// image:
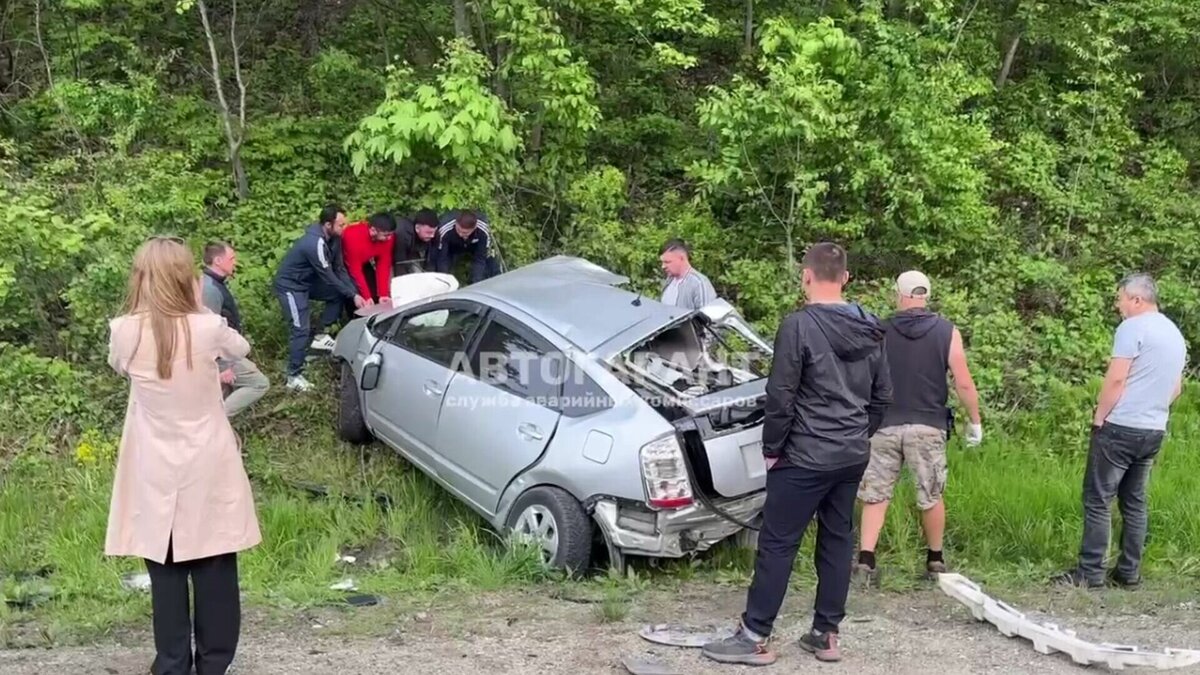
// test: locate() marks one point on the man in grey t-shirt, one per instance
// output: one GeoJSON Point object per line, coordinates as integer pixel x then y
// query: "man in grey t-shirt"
{"type": "Point", "coordinates": [1144, 378]}
{"type": "Point", "coordinates": [685, 287]}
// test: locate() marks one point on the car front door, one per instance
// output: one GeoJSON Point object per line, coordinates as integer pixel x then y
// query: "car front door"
{"type": "Point", "coordinates": [419, 353]}
{"type": "Point", "coordinates": [499, 418]}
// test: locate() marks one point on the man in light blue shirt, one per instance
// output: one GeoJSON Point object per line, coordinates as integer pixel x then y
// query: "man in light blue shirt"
{"type": "Point", "coordinates": [1145, 376]}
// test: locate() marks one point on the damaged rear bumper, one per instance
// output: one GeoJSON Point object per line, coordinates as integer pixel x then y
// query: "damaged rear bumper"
{"type": "Point", "coordinates": [634, 529]}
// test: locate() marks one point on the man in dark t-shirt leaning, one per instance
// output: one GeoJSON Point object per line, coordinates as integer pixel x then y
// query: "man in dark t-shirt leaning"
{"type": "Point", "coordinates": [415, 243]}
{"type": "Point", "coordinates": [921, 347]}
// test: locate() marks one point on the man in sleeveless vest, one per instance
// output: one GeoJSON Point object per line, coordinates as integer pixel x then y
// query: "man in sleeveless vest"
{"type": "Point", "coordinates": [921, 347]}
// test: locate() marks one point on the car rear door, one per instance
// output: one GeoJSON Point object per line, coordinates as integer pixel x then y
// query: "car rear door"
{"type": "Point", "coordinates": [418, 354]}
{"type": "Point", "coordinates": [499, 418]}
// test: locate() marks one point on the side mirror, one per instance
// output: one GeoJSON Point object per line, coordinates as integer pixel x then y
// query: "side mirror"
{"type": "Point", "coordinates": [368, 378]}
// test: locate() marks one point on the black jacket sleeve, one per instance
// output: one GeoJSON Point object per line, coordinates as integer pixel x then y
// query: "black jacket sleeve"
{"type": "Point", "coordinates": [787, 366]}
{"type": "Point", "coordinates": [479, 257]}
{"type": "Point", "coordinates": [439, 254]}
{"type": "Point", "coordinates": [881, 392]}
{"type": "Point", "coordinates": [322, 260]}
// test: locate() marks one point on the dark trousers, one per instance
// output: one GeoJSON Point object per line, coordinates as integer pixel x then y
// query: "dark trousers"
{"type": "Point", "coordinates": [1118, 465]}
{"type": "Point", "coordinates": [218, 614]}
{"type": "Point", "coordinates": [297, 312]}
{"type": "Point", "coordinates": [794, 496]}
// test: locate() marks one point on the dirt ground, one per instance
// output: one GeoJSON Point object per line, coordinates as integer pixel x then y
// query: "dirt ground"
{"type": "Point", "coordinates": [892, 634]}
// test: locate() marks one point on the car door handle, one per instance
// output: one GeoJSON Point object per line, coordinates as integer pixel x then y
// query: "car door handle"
{"type": "Point", "coordinates": [431, 389]}
{"type": "Point", "coordinates": [530, 432]}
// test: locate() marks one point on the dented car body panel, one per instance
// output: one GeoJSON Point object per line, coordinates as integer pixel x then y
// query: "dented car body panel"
{"type": "Point", "coordinates": [440, 402]}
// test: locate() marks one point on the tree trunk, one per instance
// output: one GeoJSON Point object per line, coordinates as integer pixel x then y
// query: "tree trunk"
{"type": "Point", "coordinates": [501, 84]}
{"type": "Point", "coordinates": [462, 27]}
{"type": "Point", "coordinates": [1009, 57]}
{"type": "Point", "coordinates": [310, 27]}
{"type": "Point", "coordinates": [749, 27]}
{"type": "Point", "coordinates": [235, 129]}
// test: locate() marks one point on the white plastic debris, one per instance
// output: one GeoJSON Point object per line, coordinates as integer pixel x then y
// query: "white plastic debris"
{"type": "Point", "coordinates": [344, 585]}
{"type": "Point", "coordinates": [1048, 638]}
{"type": "Point", "coordinates": [136, 582]}
{"type": "Point", "coordinates": [348, 559]}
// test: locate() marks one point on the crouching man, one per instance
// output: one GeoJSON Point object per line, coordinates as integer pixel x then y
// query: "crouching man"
{"type": "Point", "coordinates": [246, 381]}
{"type": "Point", "coordinates": [827, 393]}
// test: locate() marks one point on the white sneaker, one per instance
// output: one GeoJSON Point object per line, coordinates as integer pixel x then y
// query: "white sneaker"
{"type": "Point", "coordinates": [298, 383]}
{"type": "Point", "coordinates": [323, 342]}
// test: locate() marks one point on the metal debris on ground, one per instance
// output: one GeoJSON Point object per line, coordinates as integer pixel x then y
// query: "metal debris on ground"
{"type": "Point", "coordinates": [647, 665]}
{"type": "Point", "coordinates": [675, 635]}
{"type": "Point", "coordinates": [1048, 638]}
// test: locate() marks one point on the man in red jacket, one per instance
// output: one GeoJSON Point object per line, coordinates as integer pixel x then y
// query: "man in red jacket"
{"type": "Point", "coordinates": [371, 241]}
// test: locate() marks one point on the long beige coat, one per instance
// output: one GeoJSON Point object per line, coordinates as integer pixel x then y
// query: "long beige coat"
{"type": "Point", "coordinates": [179, 474]}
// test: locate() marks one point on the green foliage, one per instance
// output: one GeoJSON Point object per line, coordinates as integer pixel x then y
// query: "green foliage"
{"type": "Point", "coordinates": [458, 133]}
{"type": "Point", "coordinates": [602, 129]}
{"type": "Point", "coordinates": [552, 86]}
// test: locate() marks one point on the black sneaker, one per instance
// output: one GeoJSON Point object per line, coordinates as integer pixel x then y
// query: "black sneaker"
{"type": "Point", "coordinates": [1117, 581]}
{"type": "Point", "coordinates": [1075, 579]}
{"type": "Point", "coordinates": [741, 648]}
{"type": "Point", "coordinates": [824, 646]}
{"type": "Point", "coordinates": [865, 576]}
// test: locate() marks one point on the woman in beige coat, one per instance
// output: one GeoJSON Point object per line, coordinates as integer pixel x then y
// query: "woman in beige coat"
{"type": "Point", "coordinates": [181, 499]}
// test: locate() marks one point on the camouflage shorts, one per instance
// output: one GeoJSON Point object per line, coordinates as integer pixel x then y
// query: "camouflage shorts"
{"type": "Point", "coordinates": [922, 448]}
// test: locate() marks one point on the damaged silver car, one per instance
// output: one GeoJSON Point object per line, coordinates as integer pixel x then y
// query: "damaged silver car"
{"type": "Point", "coordinates": [567, 410]}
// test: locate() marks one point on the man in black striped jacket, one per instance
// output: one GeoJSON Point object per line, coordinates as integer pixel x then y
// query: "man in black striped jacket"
{"type": "Point", "coordinates": [465, 232]}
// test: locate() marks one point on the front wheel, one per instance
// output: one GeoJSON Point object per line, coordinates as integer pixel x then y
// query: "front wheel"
{"type": "Point", "coordinates": [554, 522]}
{"type": "Point", "coordinates": [351, 425]}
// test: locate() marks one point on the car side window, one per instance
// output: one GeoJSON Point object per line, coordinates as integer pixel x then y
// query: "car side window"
{"type": "Point", "coordinates": [581, 395]}
{"type": "Point", "coordinates": [439, 335]}
{"type": "Point", "coordinates": [519, 363]}
{"type": "Point", "coordinates": [381, 328]}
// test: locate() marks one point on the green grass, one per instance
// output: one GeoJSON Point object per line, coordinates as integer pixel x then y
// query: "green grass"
{"type": "Point", "coordinates": [1014, 517]}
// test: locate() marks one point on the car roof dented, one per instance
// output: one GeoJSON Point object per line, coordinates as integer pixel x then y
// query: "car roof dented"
{"type": "Point", "coordinates": [580, 301]}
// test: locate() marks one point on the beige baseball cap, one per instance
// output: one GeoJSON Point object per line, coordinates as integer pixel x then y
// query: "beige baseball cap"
{"type": "Point", "coordinates": [913, 284]}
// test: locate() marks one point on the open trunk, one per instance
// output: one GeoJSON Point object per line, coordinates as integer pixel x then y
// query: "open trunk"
{"type": "Point", "coordinates": [707, 374]}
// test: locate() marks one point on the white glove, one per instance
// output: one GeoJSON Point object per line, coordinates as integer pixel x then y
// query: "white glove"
{"type": "Point", "coordinates": [974, 434]}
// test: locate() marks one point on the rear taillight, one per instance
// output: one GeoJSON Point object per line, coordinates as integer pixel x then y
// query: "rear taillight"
{"type": "Point", "coordinates": [665, 474]}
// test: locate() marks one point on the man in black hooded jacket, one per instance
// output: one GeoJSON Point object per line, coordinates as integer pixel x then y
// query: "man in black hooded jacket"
{"type": "Point", "coordinates": [826, 395]}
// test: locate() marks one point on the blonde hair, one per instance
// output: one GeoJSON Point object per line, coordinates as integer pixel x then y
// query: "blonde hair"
{"type": "Point", "coordinates": [162, 286]}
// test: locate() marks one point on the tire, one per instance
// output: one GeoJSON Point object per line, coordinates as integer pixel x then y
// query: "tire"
{"type": "Point", "coordinates": [352, 427]}
{"type": "Point", "coordinates": [566, 542]}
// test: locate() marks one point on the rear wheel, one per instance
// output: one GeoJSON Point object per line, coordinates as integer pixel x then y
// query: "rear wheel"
{"type": "Point", "coordinates": [554, 522]}
{"type": "Point", "coordinates": [351, 425]}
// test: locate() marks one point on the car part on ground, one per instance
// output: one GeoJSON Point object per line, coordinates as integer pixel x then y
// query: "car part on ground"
{"type": "Point", "coordinates": [1048, 638]}
{"type": "Point", "coordinates": [677, 635]}
{"type": "Point", "coordinates": [643, 665]}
